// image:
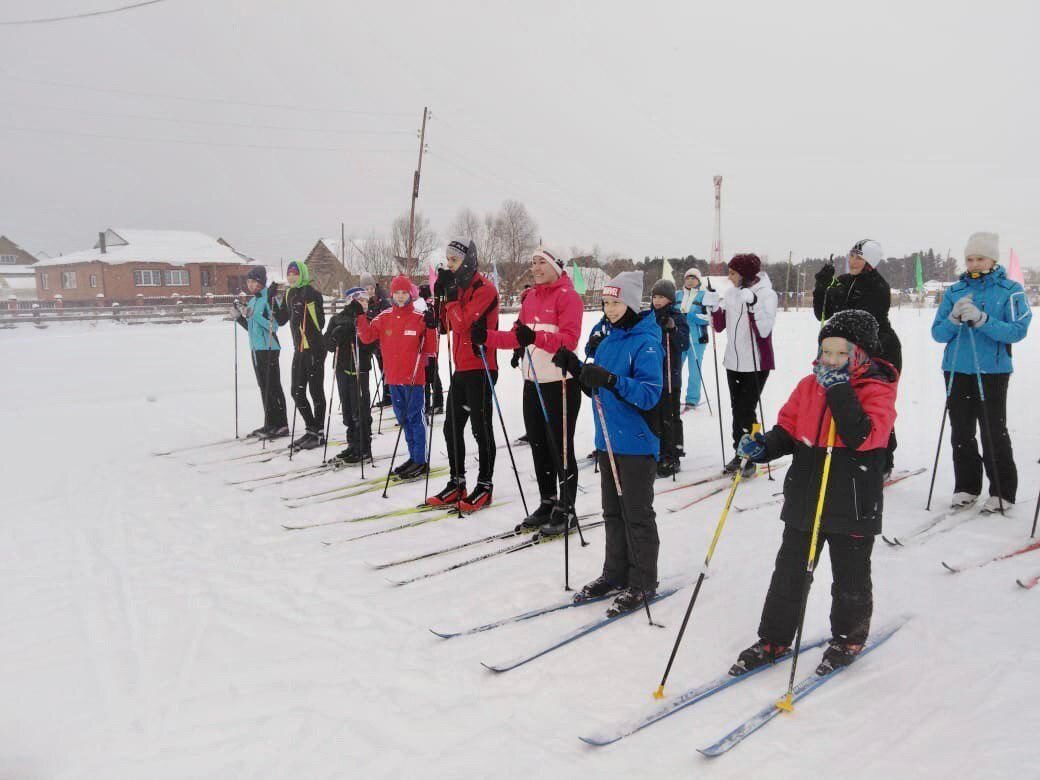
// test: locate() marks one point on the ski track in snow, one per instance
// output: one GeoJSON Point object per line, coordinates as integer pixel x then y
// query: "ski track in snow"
{"type": "Point", "coordinates": [161, 623]}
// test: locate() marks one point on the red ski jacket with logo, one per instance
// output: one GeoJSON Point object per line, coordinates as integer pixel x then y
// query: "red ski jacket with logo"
{"type": "Point", "coordinates": [402, 334]}
{"type": "Point", "coordinates": [478, 300]}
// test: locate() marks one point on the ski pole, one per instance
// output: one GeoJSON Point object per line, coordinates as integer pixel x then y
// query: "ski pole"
{"type": "Point", "coordinates": [501, 419]}
{"type": "Point", "coordinates": [400, 428]}
{"type": "Point", "coordinates": [429, 446]}
{"type": "Point", "coordinates": [332, 387]}
{"type": "Point", "coordinates": [292, 433]}
{"type": "Point", "coordinates": [675, 420]}
{"type": "Point", "coordinates": [359, 426]}
{"type": "Point", "coordinates": [621, 500]}
{"type": "Point", "coordinates": [787, 702]}
{"type": "Point", "coordinates": [382, 378]}
{"type": "Point", "coordinates": [659, 693]}
{"type": "Point", "coordinates": [707, 395]}
{"type": "Point", "coordinates": [566, 464]}
{"type": "Point", "coordinates": [985, 419]}
{"type": "Point", "coordinates": [1036, 514]}
{"type": "Point", "coordinates": [560, 470]}
{"type": "Point", "coordinates": [234, 324]}
{"type": "Point", "coordinates": [752, 330]}
{"type": "Point", "coordinates": [946, 411]}
{"type": "Point", "coordinates": [718, 392]}
{"type": "Point", "coordinates": [267, 368]}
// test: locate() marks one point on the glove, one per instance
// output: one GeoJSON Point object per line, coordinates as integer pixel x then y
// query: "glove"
{"type": "Point", "coordinates": [830, 377]}
{"type": "Point", "coordinates": [337, 334]}
{"type": "Point", "coordinates": [431, 319]}
{"type": "Point", "coordinates": [594, 341]}
{"type": "Point", "coordinates": [710, 300]}
{"type": "Point", "coordinates": [594, 377]}
{"type": "Point", "coordinates": [273, 290]}
{"type": "Point", "coordinates": [478, 332]}
{"type": "Point", "coordinates": [518, 355]}
{"type": "Point", "coordinates": [970, 313]}
{"type": "Point", "coordinates": [752, 447]}
{"type": "Point", "coordinates": [524, 335]}
{"type": "Point", "coordinates": [825, 275]}
{"type": "Point", "coordinates": [445, 283]}
{"type": "Point", "coordinates": [567, 361]}
{"type": "Point", "coordinates": [354, 309]}
{"type": "Point", "coordinates": [748, 297]}
{"type": "Point", "coordinates": [668, 324]}
{"type": "Point", "coordinates": [236, 310]}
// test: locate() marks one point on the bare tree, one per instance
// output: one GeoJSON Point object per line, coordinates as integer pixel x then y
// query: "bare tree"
{"type": "Point", "coordinates": [517, 231]}
{"type": "Point", "coordinates": [424, 245]}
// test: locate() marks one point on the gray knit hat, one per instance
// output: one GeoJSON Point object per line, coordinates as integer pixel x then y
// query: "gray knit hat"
{"type": "Point", "coordinates": [627, 286]}
{"type": "Point", "coordinates": [665, 287]}
{"type": "Point", "coordinates": [367, 280]}
{"type": "Point", "coordinates": [983, 245]}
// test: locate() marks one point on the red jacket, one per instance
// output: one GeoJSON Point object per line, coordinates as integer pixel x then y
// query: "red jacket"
{"type": "Point", "coordinates": [476, 301]}
{"type": "Point", "coordinates": [553, 311]}
{"type": "Point", "coordinates": [402, 333]}
{"type": "Point", "coordinates": [800, 416]}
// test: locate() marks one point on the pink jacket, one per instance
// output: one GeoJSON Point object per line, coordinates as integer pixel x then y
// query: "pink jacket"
{"type": "Point", "coordinates": [553, 311]}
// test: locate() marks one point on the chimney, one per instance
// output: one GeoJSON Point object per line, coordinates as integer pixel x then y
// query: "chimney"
{"type": "Point", "coordinates": [101, 242]}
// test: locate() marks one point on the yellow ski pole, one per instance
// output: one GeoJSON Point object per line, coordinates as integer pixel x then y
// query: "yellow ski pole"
{"type": "Point", "coordinates": [787, 702]}
{"type": "Point", "coordinates": [659, 693]}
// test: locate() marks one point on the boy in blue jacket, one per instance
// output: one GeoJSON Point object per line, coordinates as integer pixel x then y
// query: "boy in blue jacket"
{"type": "Point", "coordinates": [980, 317]}
{"type": "Point", "coordinates": [626, 378]}
{"type": "Point", "coordinates": [258, 319]}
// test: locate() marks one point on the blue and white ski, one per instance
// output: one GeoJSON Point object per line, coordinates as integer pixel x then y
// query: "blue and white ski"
{"type": "Point", "coordinates": [683, 700]}
{"type": "Point", "coordinates": [577, 633]}
{"type": "Point", "coordinates": [801, 690]}
{"type": "Point", "coordinates": [519, 618]}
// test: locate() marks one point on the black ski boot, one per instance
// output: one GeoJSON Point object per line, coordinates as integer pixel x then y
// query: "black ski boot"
{"type": "Point", "coordinates": [667, 468]}
{"type": "Point", "coordinates": [259, 433]}
{"type": "Point", "coordinates": [344, 459]}
{"type": "Point", "coordinates": [596, 589]}
{"type": "Point", "coordinates": [837, 655]}
{"type": "Point", "coordinates": [759, 654]}
{"type": "Point", "coordinates": [277, 432]}
{"type": "Point", "coordinates": [414, 470]}
{"type": "Point", "coordinates": [403, 467]}
{"type": "Point", "coordinates": [628, 600]}
{"type": "Point", "coordinates": [559, 521]}
{"type": "Point", "coordinates": [732, 466]}
{"type": "Point", "coordinates": [539, 517]}
{"type": "Point", "coordinates": [306, 442]}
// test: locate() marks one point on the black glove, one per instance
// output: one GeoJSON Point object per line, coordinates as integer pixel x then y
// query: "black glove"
{"type": "Point", "coordinates": [354, 309]}
{"type": "Point", "coordinates": [825, 275]}
{"type": "Point", "coordinates": [518, 355]}
{"type": "Point", "coordinates": [593, 377]}
{"type": "Point", "coordinates": [272, 290]}
{"type": "Point", "coordinates": [524, 335]}
{"type": "Point", "coordinates": [337, 333]}
{"type": "Point", "coordinates": [478, 332]}
{"type": "Point", "coordinates": [668, 324]}
{"type": "Point", "coordinates": [444, 283]}
{"type": "Point", "coordinates": [594, 341]}
{"type": "Point", "coordinates": [430, 316]}
{"type": "Point", "coordinates": [567, 361]}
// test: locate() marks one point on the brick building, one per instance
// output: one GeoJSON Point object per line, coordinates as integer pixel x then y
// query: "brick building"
{"type": "Point", "coordinates": [16, 271]}
{"type": "Point", "coordinates": [127, 264]}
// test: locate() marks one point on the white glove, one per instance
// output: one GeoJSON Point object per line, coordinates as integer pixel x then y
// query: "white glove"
{"type": "Point", "coordinates": [971, 314]}
{"type": "Point", "coordinates": [236, 310]}
{"type": "Point", "coordinates": [748, 297]}
{"type": "Point", "coordinates": [710, 300]}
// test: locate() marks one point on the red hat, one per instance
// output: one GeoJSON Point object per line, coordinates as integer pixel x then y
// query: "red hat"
{"type": "Point", "coordinates": [401, 284]}
{"type": "Point", "coordinates": [747, 266]}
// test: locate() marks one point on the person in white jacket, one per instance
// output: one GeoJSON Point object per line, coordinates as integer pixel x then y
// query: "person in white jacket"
{"type": "Point", "coordinates": [747, 312]}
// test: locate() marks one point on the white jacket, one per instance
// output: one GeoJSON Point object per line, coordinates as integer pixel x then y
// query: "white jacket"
{"type": "Point", "coordinates": [742, 350]}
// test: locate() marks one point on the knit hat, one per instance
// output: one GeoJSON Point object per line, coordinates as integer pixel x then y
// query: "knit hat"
{"type": "Point", "coordinates": [258, 274]}
{"type": "Point", "coordinates": [747, 266]}
{"type": "Point", "coordinates": [401, 284]}
{"type": "Point", "coordinates": [464, 275]}
{"type": "Point", "coordinates": [983, 245]}
{"type": "Point", "coordinates": [457, 248]}
{"type": "Point", "coordinates": [869, 250]}
{"type": "Point", "coordinates": [299, 267]}
{"type": "Point", "coordinates": [367, 280]}
{"type": "Point", "coordinates": [550, 258]}
{"type": "Point", "coordinates": [854, 325]}
{"type": "Point", "coordinates": [692, 272]}
{"type": "Point", "coordinates": [665, 287]}
{"type": "Point", "coordinates": [627, 287]}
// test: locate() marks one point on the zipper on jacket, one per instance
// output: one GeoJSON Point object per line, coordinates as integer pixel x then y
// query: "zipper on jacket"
{"type": "Point", "coordinates": [855, 498]}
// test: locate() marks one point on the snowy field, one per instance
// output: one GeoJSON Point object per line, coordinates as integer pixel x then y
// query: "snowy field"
{"type": "Point", "coordinates": [161, 623]}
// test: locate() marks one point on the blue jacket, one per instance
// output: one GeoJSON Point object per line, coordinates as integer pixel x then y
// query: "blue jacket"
{"type": "Point", "coordinates": [634, 357]}
{"type": "Point", "coordinates": [697, 317]}
{"type": "Point", "coordinates": [1004, 302]}
{"type": "Point", "coordinates": [260, 323]}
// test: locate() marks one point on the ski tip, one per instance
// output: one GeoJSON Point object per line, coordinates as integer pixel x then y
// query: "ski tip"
{"type": "Point", "coordinates": [951, 569]}
{"type": "Point", "coordinates": [710, 752]}
{"type": "Point", "coordinates": [396, 583]}
{"type": "Point", "coordinates": [444, 634]}
{"type": "Point", "coordinates": [495, 669]}
{"type": "Point", "coordinates": [890, 542]}
{"type": "Point", "coordinates": [597, 741]}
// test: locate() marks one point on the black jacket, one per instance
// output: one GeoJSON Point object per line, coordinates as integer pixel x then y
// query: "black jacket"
{"type": "Point", "coordinates": [304, 309]}
{"type": "Point", "coordinates": [869, 292]}
{"type": "Point", "coordinates": [340, 333]}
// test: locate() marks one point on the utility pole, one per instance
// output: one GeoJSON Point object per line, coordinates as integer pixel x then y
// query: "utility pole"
{"type": "Point", "coordinates": [415, 186]}
{"type": "Point", "coordinates": [787, 282]}
{"type": "Point", "coordinates": [342, 251]}
{"type": "Point", "coordinates": [716, 240]}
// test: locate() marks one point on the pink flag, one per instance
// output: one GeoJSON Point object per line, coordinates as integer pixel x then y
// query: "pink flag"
{"type": "Point", "coordinates": [1014, 271]}
{"type": "Point", "coordinates": [433, 275]}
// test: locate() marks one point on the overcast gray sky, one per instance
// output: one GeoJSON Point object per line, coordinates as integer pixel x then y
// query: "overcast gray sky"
{"type": "Point", "coordinates": [269, 122]}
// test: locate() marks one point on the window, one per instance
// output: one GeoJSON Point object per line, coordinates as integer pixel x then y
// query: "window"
{"type": "Point", "coordinates": [43, 282]}
{"type": "Point", "coordinates": [175, 278]}
{"type": "Point", "coordinates": [147, 278]}
{"type": "Point", "coordinates": [93, 280]}
{"type": "Point", "coordinates": [68, 280]}
{"type": "Point", "coordinates": [236, 284]}
{"type": "Point", "coordinates": [207, 276]}
{"type": "Point", "coordinates": [8, 259]}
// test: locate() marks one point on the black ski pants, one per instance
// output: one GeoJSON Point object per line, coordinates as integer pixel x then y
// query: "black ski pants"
{"type": "Point", "coordinates": [852, 594]}
{"type": "Point", "coordinates": [308, 373]}
{"type": "Point", "coordinates": [966, 414]}
{"type": "Point", "coordinates": [386, 388]}
{"type": "Point", "coordinates": [359, 427]}
{"type": "Point", "coordinates": [745, 387]}
{"type": "Point", "coordinates": [670, 424]}
{"type": "Point", "coordinates": [625, 565]}
{"type": "Point", "coordinates": [469, 398]}
{"type": "Point", "coordinates": [434, 390]}
{"type": "Point", "coordinates": [269, 379]}
{"type": "Point", "coordinates": [546, 462]}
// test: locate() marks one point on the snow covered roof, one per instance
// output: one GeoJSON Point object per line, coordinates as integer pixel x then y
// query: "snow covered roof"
{"type": "Point", "coordinates": [176, 247]}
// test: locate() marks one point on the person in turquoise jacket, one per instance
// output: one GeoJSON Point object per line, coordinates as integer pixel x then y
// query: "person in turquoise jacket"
{"type": "Point", "coordinates": [980, 317]}
{"type": "Point", "coordinates": [690, 301]}
{"type": "Point", "coordinates": [625, 382]}
{"type": "Point", "coordinates": [258, 319]}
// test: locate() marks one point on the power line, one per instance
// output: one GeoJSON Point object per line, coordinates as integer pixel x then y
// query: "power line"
{"type": "Point", "coordinates": [84, 15]}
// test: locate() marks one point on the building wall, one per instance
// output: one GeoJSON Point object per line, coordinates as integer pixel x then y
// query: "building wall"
{"type": "Point", "coordinates": [8, 249]}
{"type": "Point", "coordinates": [118, 282]}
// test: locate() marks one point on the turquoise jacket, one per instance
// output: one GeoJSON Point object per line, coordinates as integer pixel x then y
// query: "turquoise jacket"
{"type": "Point", "coordinates": [259, 321]}
{"type": "Point", "coordinates": [1007, 309]}
{"type": "Point", "coordinates": [697, 317]}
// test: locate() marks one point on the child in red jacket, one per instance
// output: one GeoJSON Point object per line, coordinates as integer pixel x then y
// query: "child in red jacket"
{"type": "Point", "coordinates": [856, 390]}
{"type": "Point", "coordinates": [407, 339]}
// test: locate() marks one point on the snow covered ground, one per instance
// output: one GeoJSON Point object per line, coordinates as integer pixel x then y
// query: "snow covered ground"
{"type": "Point", "coordinates": [161, 623]}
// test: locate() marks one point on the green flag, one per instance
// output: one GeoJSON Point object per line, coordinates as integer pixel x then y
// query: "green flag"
{"type": "Point", "coordinates": [918, 274]}
{"type": "Point", "coordinates": [577, 278]}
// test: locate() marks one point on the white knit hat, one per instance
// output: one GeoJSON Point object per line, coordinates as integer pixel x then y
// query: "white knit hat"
{"type": "Point", "coordinates": [983, 245]}
{"type": "Point", "coordinates": [627, 287]}
{"type": "Point", "coordinates": [869, 250]}
{"type": "Point", "coordinates": [551, 258]}
{"type": "Point", "coordinates": [691, 271]}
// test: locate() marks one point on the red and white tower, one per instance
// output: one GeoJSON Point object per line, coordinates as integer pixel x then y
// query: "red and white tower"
{"type": "Point", "coordinates": [717, 263]}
